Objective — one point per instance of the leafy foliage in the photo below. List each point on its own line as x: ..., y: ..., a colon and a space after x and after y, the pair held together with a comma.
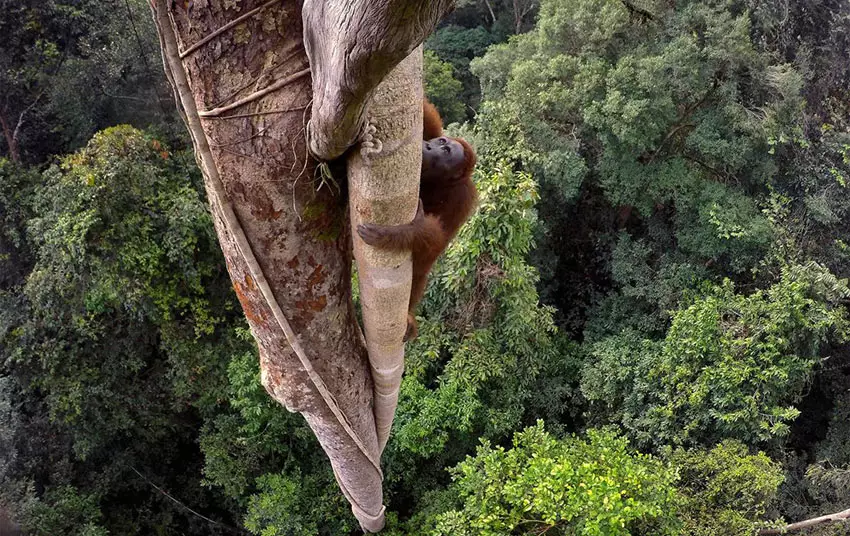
x: 71, y: 67
x: 731, y: 365
x: 63, y: 511
x: 482, y: 312
x: 453, y: 47
x: 121, y: 325
x: 661, y: 245
x: 680, y: 159
x: 442, y: 88
x: 593, y: 487
x: 119, y: 239
x: 16, y: 191
x: 288, y: 505
x: 724, y: 490
x: 268, y: 462
x: 599, y: 485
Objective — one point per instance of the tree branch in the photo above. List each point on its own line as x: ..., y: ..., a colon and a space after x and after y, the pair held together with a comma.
x: 17, y: 130
x: 352, y: 46
x: 490, y: 9
x: 220, y: 200
x: 838, y: 517
x: 634, y: 10
x: 11, y: 144
x: 182, y: 505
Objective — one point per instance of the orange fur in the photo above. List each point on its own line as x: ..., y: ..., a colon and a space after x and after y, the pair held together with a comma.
x: 432, y: 124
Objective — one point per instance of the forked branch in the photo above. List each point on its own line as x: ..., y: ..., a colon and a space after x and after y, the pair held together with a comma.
x: 352, y: 46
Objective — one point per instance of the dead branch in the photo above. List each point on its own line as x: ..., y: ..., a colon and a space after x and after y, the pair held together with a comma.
x: 838, y: 517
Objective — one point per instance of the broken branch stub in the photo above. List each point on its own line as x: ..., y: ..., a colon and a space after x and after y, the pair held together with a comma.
x: 352, y: 46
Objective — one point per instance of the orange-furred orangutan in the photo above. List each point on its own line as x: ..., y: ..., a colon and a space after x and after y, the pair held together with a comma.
x: 447, y: 198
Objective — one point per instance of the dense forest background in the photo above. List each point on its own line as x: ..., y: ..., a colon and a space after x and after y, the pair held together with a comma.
x: 643, y: 330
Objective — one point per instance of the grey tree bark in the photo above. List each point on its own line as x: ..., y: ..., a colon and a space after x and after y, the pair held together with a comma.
x: 242, y: 81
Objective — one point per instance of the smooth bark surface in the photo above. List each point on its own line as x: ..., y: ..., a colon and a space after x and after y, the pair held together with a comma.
x: 294, y: 229
x: 383, y: 178
x: 352, y: 46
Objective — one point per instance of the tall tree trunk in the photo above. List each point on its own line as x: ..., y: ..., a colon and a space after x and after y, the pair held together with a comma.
x: 353, y: 46
x: 244, y: 94
x: 384, y: 188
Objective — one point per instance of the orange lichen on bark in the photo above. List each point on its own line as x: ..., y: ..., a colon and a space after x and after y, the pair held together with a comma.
x: 251, y: 313
x: 314, y: 305
x: 317, y: 277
